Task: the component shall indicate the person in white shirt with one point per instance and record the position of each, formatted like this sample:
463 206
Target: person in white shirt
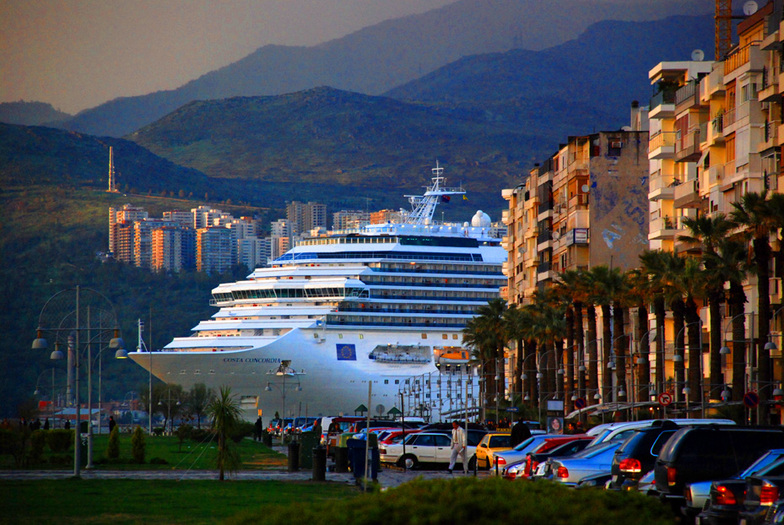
458 447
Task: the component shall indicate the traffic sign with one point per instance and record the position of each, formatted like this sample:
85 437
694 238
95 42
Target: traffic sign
751 399
665 399
580 403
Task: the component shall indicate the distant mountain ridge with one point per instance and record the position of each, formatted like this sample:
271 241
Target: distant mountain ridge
381 57
30 113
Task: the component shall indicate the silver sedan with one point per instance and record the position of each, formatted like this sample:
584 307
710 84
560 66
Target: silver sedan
592 460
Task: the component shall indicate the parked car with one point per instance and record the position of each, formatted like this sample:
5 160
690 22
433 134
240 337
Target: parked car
709 452
491 443
536 464
538 442
636 456
718 502
590 461
433 448
762 493
622 431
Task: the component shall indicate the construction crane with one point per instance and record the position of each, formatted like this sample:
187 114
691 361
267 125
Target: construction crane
723 34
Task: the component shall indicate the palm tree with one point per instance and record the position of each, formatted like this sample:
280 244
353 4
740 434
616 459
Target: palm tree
224 411
731 264
757 218
653 268
486 334
709 232
549 327
610 287
573 285
692 286
517 322
640 294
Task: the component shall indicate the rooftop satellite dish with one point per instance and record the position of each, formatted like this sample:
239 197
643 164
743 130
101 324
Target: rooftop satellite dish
697 55
750 7
585 188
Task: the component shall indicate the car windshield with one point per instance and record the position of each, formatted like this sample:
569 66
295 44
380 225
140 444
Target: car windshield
525 443
596 449
763 461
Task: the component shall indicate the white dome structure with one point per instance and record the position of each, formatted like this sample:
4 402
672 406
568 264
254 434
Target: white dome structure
480 220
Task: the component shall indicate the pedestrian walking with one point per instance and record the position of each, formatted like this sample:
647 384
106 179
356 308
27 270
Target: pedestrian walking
458 447
112 424
259 425
520 432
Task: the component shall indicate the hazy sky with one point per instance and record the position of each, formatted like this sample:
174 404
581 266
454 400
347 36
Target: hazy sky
76 54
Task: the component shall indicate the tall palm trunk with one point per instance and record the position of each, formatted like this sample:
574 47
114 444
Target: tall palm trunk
643 350
716 377
764 386
593 354
694 330
579 341
518 369
660 310
568 361
677 309
738 313
530 369
606 351
621 343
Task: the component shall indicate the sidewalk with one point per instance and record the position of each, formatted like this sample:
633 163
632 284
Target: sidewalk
387 477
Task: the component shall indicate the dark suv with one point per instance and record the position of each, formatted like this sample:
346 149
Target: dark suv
709 452
637 455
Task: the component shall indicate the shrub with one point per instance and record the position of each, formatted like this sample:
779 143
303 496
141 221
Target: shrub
138 445
183 432
113 448
471 500
37 444
14 442
158 431
241 430
60 440
201 435
158 461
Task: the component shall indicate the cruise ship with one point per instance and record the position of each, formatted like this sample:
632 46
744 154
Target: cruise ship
351 322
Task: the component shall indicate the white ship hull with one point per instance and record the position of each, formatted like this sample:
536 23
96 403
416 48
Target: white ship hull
331 373
338 314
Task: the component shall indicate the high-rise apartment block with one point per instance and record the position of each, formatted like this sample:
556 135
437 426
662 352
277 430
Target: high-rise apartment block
305 217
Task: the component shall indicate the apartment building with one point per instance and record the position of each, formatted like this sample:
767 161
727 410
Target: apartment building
584 206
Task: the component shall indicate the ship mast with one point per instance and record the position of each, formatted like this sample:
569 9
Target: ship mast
424 206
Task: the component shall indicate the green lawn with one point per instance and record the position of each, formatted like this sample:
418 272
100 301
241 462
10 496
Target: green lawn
191 455
153 501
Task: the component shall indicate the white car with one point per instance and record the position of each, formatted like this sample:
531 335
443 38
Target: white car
422 448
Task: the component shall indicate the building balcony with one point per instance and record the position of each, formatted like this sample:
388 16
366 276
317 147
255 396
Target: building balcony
687 195
661 228
662 105
687 96
771 78
743 61
662 145
712 86
578 201
661 186
780 135
769 136
688 148
715 175
715 130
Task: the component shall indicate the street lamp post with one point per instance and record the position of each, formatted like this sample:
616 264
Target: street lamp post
61 317
285 370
